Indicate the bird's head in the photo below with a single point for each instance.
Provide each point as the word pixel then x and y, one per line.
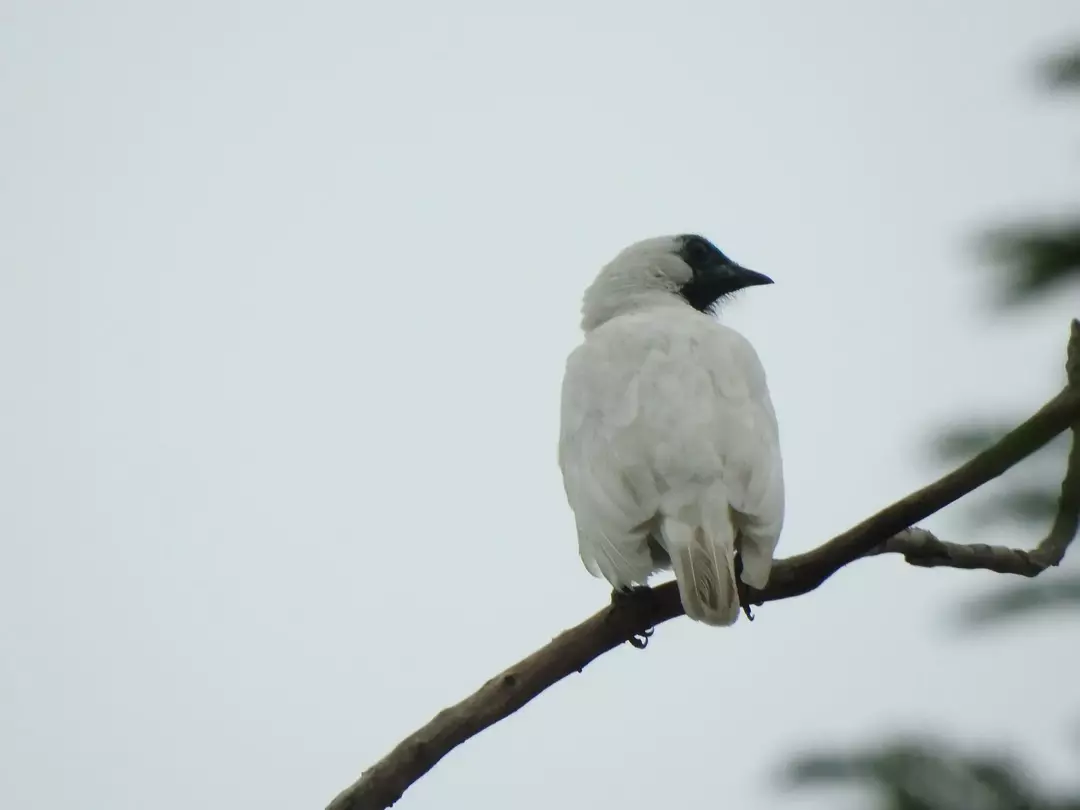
pixel 686 269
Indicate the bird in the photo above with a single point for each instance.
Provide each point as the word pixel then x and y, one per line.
pixel 669 445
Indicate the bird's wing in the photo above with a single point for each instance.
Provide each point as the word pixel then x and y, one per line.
pixel 746 436
pixel 605 459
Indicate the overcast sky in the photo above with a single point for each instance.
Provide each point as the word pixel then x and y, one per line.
pixel 285 298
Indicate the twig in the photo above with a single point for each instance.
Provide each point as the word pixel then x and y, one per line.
pixel 889 531
pixel 922 548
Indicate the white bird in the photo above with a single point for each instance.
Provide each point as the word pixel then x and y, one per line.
pixel 669 445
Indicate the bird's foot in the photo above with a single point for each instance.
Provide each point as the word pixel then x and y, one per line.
pixel 627 596
pixel 745 599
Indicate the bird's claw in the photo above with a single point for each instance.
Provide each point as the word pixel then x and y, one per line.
pixel 745 602
pixel 626 596
pixel 641 640
pixel 744 596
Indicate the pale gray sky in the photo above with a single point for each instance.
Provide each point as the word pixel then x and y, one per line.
pixel 286 294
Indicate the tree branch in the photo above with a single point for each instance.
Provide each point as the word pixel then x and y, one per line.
pixel 889 531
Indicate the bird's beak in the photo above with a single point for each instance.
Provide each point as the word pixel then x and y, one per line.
pixel 751 278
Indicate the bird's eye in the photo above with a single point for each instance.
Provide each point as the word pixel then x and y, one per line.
pixel 698 251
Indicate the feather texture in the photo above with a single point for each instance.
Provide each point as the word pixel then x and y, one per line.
pixel 670 455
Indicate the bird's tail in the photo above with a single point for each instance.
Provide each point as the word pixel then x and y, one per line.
pixel 704 563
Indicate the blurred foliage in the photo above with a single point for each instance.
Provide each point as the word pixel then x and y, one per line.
pixel 1062 71
pixel 1040 257
pixel 1028 498
pixel 961 442
pixel 924 774
pixel 1031 596
pixel 1035 259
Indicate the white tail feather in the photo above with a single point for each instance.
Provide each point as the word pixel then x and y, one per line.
pixel 705 570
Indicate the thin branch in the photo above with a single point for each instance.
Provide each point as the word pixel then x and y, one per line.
pixel 889 531
pixel 1067 520
pixel 922 548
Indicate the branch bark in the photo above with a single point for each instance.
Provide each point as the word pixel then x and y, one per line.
pixel 890 531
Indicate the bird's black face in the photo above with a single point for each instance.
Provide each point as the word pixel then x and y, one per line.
pixel 715 275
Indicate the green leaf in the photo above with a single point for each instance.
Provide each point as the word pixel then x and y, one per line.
pixel 1033 503
pixel 958 443
pixel 922 774
pixel 1023 599
pixel 1036 259
pixel 962 442
pixel 1062 72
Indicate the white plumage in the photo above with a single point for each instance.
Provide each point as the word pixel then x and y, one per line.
pixel 669 444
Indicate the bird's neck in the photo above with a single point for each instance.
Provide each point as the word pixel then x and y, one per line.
pixel 600 310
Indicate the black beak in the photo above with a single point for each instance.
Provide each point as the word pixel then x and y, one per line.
pixel 750 278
